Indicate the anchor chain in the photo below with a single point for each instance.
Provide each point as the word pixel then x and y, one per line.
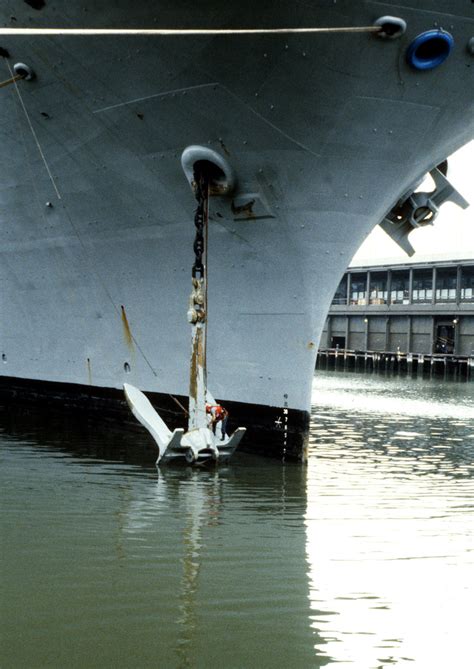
pixel 199 443
pixel 197 300
pixel 201 190
pixel 198 305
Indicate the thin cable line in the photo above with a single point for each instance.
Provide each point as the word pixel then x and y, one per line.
pixel 166 32
pixel 76 232
pixel 35 137
pixel 105 288
pixel 81 242
pixel 11 80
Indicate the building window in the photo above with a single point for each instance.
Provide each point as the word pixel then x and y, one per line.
pixel 446 280
pixel 467 284
pixel 340 296
pixel 378 288
pixel 358 288
pixel 422 285
pixel 399 293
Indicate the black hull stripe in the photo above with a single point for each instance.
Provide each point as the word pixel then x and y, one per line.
pixel 271 431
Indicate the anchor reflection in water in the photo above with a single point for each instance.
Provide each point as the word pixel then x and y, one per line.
pixel 203 502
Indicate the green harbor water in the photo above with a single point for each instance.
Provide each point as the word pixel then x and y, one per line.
pixel 361 559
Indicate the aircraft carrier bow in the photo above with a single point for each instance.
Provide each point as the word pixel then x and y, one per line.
pixel 310 138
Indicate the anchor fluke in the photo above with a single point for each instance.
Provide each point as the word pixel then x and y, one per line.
pixel 143 411
pixel 195 446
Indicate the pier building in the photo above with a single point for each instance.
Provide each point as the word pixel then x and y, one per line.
pixel 420 311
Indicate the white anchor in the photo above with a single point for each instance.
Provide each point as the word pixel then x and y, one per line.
pixel 199 443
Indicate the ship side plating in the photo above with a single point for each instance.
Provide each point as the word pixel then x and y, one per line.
pixel 323 132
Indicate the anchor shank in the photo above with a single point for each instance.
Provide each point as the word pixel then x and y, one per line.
pixel 197 385
pixel 197 312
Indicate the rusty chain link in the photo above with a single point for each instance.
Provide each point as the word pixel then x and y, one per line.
pixel 201 191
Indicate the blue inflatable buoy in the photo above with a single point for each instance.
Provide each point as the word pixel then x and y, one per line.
pixel 430 49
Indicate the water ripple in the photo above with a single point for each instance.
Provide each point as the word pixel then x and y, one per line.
pixel 364 558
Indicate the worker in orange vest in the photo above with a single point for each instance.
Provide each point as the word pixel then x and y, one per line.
pixel 217 414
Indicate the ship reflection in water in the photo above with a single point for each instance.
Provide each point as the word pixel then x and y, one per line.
pixel 362 559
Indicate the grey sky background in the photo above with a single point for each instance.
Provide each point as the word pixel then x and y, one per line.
pixel 452 234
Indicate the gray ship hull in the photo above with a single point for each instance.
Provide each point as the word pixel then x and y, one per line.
pixel 323 132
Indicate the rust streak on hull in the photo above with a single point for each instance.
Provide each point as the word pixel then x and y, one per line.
pixel 126 329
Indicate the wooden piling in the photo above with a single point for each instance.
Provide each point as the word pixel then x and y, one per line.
pixel 412 364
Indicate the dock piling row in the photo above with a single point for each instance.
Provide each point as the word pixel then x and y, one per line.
pixel 455 367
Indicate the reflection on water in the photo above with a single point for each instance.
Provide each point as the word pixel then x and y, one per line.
pixel 107 564
pixel 390 522
pixel 362 559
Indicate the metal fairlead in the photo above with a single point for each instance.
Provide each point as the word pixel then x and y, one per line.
pixel 21 71
pixel 391 27
pixel 418 209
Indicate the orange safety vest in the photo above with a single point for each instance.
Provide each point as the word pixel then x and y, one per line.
pixel 216 410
